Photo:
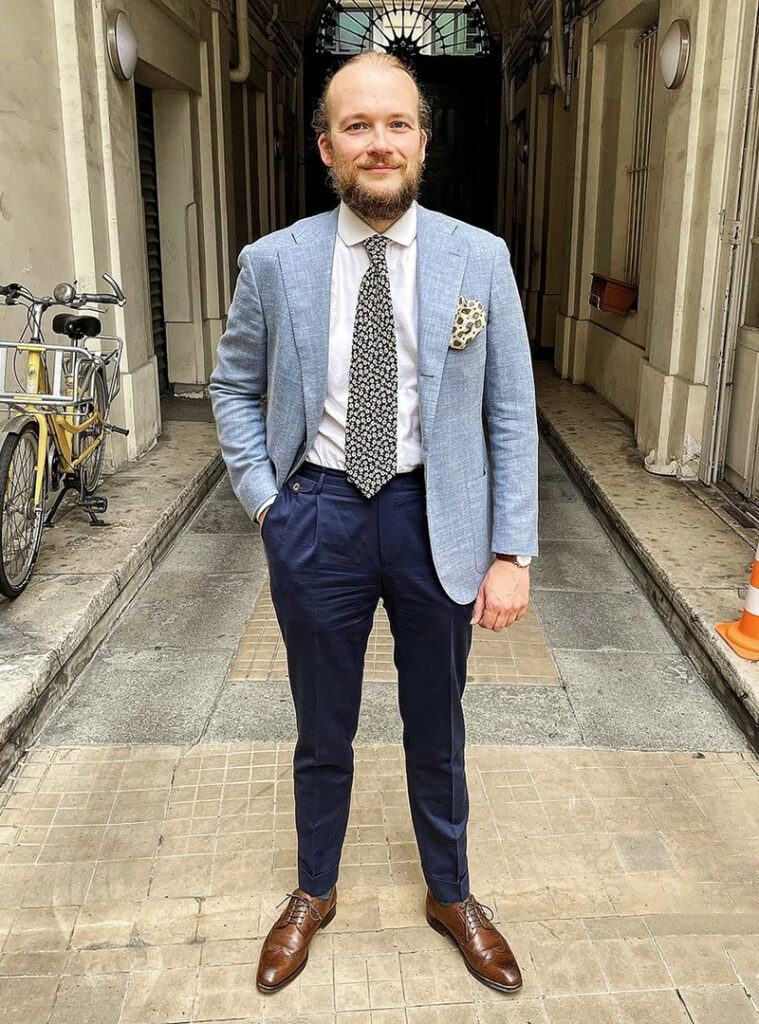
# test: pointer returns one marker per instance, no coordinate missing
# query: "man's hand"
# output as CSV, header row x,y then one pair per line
x,y
503,596
262,516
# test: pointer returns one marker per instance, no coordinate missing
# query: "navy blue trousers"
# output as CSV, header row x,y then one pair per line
x,y
332,555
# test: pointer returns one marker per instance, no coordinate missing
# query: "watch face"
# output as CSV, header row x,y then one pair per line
x,y
524,560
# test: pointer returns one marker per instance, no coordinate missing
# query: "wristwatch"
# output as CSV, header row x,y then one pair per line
x,y
521,560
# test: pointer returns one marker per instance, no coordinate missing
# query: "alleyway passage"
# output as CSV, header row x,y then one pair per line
x,y
148,836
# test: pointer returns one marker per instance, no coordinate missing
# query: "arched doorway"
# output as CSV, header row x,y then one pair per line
x,y
456,59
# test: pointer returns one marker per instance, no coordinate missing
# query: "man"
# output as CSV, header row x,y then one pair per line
x,y
380,332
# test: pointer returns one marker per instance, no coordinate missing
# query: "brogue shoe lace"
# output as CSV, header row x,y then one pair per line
x,y
298,910
476,915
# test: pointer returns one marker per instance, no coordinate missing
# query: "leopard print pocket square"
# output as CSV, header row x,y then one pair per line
x,y
469,320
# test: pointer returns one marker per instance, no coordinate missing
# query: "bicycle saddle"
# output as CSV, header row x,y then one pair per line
x,y
76,327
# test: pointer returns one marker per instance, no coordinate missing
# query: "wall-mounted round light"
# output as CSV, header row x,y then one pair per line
x,y
674,52
122,46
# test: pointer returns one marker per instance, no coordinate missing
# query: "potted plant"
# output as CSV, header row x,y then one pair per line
x,y
611,295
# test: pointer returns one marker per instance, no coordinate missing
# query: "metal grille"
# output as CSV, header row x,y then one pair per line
x,y
646,46
407,29
149,188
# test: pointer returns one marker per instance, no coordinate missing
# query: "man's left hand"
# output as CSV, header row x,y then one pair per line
x,y
503,596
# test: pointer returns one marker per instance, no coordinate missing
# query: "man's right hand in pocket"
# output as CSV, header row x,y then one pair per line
x,y
262,517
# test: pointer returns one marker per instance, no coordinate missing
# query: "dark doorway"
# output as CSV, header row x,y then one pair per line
x,y
461,167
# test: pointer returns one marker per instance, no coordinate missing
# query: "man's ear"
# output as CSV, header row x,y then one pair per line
x,y
325,149
424,143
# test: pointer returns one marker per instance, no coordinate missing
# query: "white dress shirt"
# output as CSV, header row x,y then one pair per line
x,y
350,262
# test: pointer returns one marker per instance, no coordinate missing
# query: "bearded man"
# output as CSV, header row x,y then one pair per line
x,y
380,332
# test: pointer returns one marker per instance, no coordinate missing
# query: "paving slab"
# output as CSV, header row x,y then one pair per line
x,y
212,618
590,565
644,701
144,696
605,621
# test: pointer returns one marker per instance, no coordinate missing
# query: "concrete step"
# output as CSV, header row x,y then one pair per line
x,y
85,577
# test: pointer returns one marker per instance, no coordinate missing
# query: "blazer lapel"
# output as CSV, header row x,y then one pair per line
x,y
306,266
441,259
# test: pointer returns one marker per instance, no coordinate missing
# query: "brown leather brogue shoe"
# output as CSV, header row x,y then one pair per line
x,y
486,953
285,949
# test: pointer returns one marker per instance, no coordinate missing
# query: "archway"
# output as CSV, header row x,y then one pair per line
x,y
458,61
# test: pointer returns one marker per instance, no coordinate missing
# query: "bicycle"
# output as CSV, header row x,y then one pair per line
x,y
57,422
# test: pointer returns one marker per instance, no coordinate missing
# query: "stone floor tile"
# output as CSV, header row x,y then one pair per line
x,y
159,997
631,964
182,876
27,1000
696,959
119,880
109,923
39,963
663,1007
579,896
40,928
82,999
581,1009
166,920
718,1004
568,968
454,1013
63,884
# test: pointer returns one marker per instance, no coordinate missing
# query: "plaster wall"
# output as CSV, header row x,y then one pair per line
x,y
70,195
35,237
654,363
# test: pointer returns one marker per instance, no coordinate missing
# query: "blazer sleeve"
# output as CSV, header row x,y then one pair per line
x,y
237,387
509,404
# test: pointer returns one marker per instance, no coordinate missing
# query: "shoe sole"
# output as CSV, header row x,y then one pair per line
x,y
441,929
296,972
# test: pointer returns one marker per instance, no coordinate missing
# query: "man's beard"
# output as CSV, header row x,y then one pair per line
x,y
346,182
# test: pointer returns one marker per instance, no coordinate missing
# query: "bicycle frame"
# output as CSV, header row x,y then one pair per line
x,y
60,402
51,400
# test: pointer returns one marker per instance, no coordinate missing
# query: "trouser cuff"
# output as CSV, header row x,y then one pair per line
x,y
448,892
315,884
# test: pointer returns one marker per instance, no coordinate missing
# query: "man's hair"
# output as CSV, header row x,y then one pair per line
x,y
320,119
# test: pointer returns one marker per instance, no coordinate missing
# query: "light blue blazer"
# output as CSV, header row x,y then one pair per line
x,y
482,496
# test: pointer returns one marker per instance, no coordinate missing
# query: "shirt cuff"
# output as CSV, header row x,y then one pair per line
x,y
264,505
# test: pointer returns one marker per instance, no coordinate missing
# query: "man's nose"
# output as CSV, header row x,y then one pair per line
x,y
380,141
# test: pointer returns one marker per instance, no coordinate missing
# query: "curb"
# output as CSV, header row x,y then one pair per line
x,y
695,636
43,679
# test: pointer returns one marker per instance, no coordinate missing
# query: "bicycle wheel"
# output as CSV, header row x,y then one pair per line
x,y
91,469
20,525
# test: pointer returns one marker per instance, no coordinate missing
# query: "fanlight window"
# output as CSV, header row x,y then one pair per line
x,y
413,27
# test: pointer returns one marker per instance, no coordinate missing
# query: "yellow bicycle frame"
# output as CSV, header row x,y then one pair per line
x,y
60,426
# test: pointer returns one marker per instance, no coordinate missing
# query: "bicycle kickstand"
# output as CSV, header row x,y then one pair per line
x,y
67,486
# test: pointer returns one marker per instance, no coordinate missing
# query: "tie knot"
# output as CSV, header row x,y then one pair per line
x,y
376,246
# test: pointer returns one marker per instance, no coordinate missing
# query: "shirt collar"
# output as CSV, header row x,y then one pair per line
x,y
353,230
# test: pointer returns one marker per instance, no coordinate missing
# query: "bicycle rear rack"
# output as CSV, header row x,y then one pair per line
x,y
59,397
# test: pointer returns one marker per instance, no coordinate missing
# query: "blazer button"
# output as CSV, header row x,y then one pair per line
x,y
296,485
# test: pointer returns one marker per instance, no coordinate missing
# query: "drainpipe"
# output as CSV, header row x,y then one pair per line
x,y
241,72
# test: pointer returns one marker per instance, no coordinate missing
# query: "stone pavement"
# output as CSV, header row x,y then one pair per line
x,y
696,574
148,836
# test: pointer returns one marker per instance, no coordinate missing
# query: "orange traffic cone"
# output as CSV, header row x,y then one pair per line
x,y
743,634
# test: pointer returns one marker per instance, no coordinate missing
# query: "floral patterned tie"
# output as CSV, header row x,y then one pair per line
x,y
371,422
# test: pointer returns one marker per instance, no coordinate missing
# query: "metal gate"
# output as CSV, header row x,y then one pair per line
x,y
149,188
